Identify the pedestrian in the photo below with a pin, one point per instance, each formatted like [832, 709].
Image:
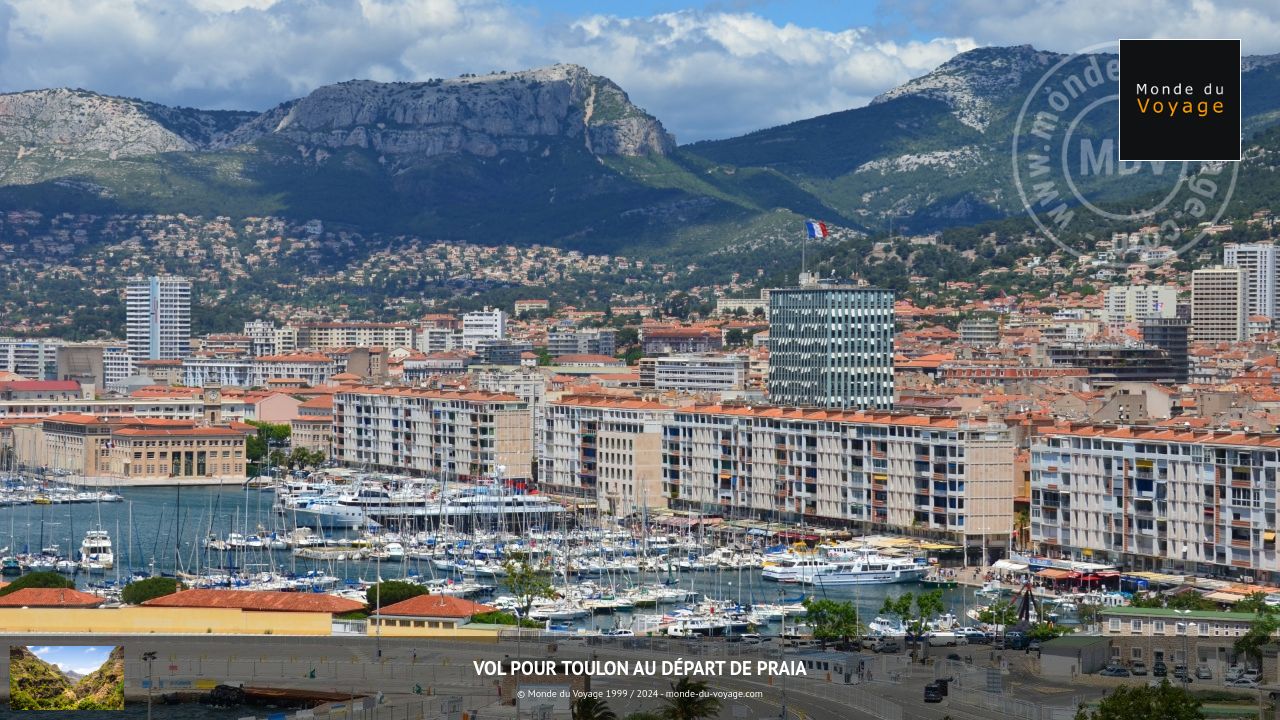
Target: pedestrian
[415, 656]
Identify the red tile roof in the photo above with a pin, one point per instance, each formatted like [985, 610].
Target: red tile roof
[40, 386]
[257, 600]
[436, 606]
[49, 597]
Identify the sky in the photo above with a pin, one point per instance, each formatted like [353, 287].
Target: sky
[83, 659]
[706, 68]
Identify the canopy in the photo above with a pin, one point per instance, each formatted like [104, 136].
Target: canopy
[1009, 565]
[1055, 574]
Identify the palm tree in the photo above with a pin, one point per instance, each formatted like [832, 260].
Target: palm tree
[591, 708]
[689, 700]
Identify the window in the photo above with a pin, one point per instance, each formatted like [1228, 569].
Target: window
[1135, 625]
[1159, 627]
[1136, 653]
[1114, 625]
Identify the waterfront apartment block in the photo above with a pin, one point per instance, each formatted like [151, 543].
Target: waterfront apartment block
[159, 318]
[604, 451]
[865, 470]
[831, 346]
[309, 368]
[1179, 500]
[474, 436]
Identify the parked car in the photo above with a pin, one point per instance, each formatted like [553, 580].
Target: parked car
[1203, 672]
[1180, 672]
[1034, 646]
[887, 645]
[974, 636]
[1113, 671]
[932, 693]
[1241, 682]
[1252, 675]
[1234, 672]
[1159, 669]
[1137, 667]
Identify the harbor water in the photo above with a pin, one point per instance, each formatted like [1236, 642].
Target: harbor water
[161, 530]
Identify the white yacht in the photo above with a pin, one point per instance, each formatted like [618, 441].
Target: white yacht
[791, 569]
[868, 568]
[95, 551]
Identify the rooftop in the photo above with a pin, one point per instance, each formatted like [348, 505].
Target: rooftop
[257, 600]
[436, 606]
[49, 597]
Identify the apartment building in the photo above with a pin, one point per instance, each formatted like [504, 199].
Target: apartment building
[313, 369]
[1174, 499]
[473, 436]
[675, 340]
[707, 372]
[1259, 262]
[1219, 304]
[605, 451]
[1126, 304]
[486, 324]
[312, 428]
[876, 471]
[159, 318]
[354, 334]
[980, 331]
[33, 359]
[591, 341]
[1152, 635]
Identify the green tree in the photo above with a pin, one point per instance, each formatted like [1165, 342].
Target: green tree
[273, 433]
[689, 700]
[1260, 633]
[526, 581]
[1167, 702]
[1255, 603]
[1190, 601]
[735, 337]
[927, 605]
[831, 619]
[38, 580]
[140, 591]
[390, 592]
[588, 707]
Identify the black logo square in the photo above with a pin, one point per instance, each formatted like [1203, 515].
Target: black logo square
[1179, 100]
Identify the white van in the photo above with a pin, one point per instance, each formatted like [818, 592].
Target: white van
[947, 639]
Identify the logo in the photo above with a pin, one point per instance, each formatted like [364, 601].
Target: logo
[1080, 195]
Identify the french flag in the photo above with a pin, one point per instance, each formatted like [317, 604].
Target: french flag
[816, 229]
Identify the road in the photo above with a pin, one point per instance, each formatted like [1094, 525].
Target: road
[429, 676]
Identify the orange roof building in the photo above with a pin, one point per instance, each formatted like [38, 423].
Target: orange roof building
[258, 600]
[436, 606]
[49, 598]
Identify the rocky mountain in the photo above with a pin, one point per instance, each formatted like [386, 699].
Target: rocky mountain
[480, 115]
[37, 685]
[555, 156]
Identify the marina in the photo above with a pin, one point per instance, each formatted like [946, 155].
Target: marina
[619, 579]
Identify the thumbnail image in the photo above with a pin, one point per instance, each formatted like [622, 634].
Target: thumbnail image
[66, 677]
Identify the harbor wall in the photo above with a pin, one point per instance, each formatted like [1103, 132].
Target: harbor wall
[149, 620]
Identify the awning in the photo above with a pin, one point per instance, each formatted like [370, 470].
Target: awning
[1054, 574]
[1008, 565]
[1224, 597]
[1268, 536]
[757, 531]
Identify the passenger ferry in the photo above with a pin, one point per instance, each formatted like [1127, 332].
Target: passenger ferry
[790, 569]
[869, 568]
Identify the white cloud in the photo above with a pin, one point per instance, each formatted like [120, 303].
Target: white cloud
[704, 74]
[1069, 26]
[709, 74]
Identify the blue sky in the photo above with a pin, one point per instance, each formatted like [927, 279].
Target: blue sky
[705, 68]
[83, 659]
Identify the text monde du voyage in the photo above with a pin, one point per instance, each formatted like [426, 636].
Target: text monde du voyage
[1180, 99]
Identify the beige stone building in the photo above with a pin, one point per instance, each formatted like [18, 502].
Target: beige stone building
[136, 451]
[605, 451]
[312, 427]
[458, 435]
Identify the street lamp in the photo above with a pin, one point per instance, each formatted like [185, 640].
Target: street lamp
[149, 658]
[1186, 659]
